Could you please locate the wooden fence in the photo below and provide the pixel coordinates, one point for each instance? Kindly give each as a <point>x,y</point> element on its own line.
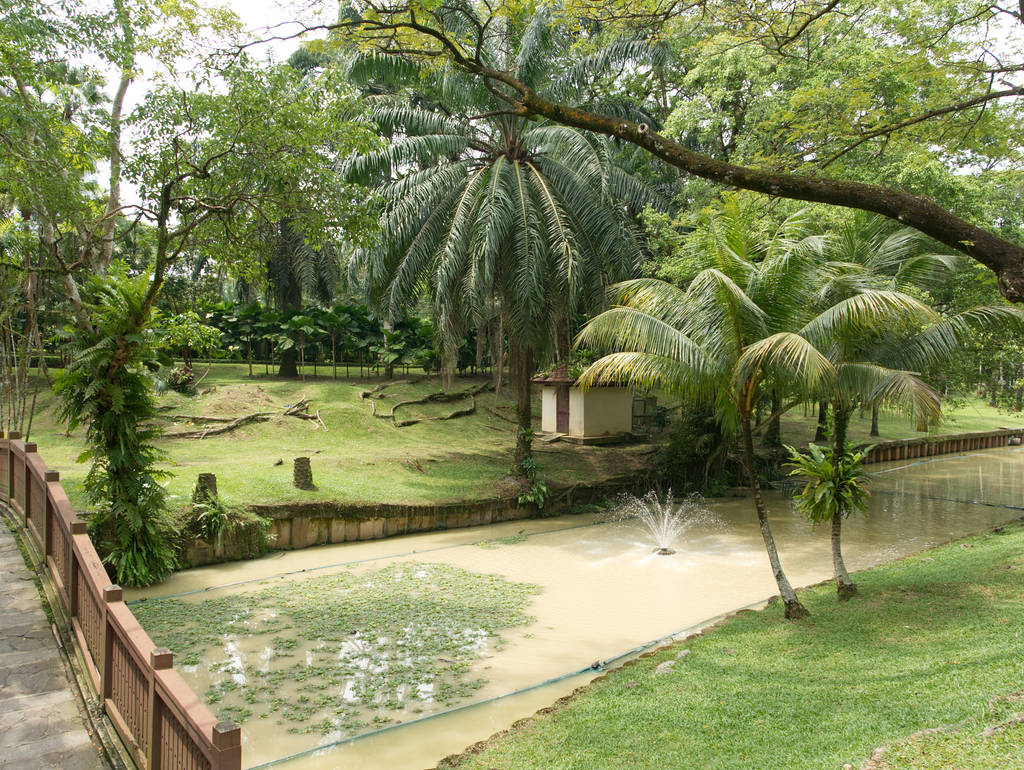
<point>929,446</point>
<point>161,720</point>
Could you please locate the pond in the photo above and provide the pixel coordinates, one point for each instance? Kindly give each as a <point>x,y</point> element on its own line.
<point>395,653</point>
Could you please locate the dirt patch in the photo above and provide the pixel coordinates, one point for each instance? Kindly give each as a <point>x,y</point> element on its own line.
<point>233,400</point>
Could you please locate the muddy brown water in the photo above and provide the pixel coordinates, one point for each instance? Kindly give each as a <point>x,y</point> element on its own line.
<point>605,592</point>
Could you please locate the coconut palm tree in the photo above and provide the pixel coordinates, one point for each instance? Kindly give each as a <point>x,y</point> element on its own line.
<point>847,335</point>
<point>745,288</point>
<point>874,351</point>
<point>485,209</point>
<point>865,254</point>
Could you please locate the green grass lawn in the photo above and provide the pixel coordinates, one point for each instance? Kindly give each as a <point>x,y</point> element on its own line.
<point>363,459</point>
<point>933,641</point>
<point>973,415</point>
<point>358,459</point>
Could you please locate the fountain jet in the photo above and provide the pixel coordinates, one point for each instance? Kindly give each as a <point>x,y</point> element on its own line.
<point>666,519</point>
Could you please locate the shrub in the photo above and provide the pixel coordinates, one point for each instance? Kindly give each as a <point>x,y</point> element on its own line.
<point>695,457</point>
<point>107,388</point>
<point>182,380</point>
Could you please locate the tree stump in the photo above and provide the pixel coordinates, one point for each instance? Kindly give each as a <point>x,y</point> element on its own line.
<point>302,474</point>
<point>206,488</point>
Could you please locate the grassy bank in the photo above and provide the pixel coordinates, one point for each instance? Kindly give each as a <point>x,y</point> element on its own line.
<point>363,459</point>
<point>358,458</point>
<point>966,416</point>
<point>935,641</point>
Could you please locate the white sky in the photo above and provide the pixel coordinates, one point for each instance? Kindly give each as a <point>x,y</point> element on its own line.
<point>262,17</point>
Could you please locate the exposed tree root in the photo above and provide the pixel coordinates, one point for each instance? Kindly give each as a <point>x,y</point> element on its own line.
<point>451,416</point>
<point>377,390</point>
<point>228,424</point>
<point>437,397</point>
<point>226,428</point>
<point>197,418</point>
<point>501,416</point>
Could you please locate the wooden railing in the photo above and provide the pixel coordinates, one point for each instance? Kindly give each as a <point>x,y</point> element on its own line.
<point>929,446</point>
<point>160,719</point>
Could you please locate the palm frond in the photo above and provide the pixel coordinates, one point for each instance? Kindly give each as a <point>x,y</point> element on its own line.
<point>647,372</point>
<point>869,310</point>
<point>790,359</point>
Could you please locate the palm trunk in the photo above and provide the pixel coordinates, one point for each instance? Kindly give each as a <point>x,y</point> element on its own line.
<point>773,431</point>
<point>794,609</point>
<point>498,353</point>
<point>846,589</point>
<point>481,333</point>
<point>819,433</point>
<point>874,421</point>
<point>522,367</point>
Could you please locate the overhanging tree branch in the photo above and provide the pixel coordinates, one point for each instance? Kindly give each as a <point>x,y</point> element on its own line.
<point>1003,257</point>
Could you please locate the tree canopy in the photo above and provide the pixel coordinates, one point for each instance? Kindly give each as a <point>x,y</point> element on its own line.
<point>897,114</point>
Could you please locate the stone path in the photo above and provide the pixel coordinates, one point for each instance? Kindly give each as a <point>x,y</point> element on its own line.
<point>40,723</point>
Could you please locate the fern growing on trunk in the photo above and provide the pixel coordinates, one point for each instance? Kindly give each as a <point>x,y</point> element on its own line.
<point>107,389</point>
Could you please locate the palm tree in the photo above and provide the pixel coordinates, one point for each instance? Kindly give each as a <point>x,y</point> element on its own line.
<point>487,211</point>
<point>874,335</point>
<point>692,341</point>
<point>868,252</point>
<point>296,271</point>
<point>846,334</point>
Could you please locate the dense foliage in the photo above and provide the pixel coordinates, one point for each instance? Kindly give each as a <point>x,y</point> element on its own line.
<point>108,389</point>
<point>495,167</point>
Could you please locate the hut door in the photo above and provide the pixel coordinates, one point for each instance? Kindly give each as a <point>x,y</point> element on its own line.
<point>562,409</point>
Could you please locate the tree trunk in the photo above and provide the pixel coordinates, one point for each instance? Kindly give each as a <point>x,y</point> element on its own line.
<point>481,331</point>
<point>563,339</point>
<point>773,432</point>
<point>498,353</point>
<point>289,364</point>
<point>822,429</point>
<point>521,370</point>
<point>846,589</point>
<point>290,358</point>
<point>794,609</point>
<point>874,421</point>
<point>113,208</point>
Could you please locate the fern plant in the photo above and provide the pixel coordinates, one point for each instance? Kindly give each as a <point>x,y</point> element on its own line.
<point>108,389</point>
<point>829,491</point>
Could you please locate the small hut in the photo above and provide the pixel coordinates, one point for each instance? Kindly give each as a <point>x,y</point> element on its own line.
<point>601,414</point>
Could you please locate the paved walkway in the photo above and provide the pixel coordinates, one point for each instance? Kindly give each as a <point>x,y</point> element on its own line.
<point>40,724</point>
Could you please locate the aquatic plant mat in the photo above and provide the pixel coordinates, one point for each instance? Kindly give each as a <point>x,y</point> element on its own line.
<point>342,653</point>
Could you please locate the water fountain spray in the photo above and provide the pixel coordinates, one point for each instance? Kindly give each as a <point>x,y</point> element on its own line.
<point>666,519</point>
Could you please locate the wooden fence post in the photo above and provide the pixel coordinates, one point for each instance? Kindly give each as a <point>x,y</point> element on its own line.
<point>49,516</point>
<point>111,594</point>
<point>160,659</point>
<point>77,527</point>
<point>30,448</point>
<point>12,436</point>
<point>5,464</point>
<point>227,745</point>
